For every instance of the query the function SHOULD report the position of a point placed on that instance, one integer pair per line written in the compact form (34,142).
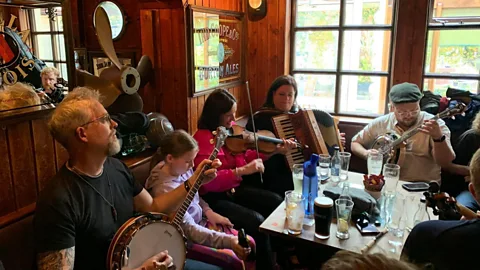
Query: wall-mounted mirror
(35,70)
(116,17)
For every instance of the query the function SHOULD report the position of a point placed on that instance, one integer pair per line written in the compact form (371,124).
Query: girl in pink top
(245,205)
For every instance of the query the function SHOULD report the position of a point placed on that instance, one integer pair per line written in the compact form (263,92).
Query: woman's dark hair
(277,83)
(218,102)
(175,143)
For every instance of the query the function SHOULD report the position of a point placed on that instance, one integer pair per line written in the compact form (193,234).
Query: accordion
(315,129)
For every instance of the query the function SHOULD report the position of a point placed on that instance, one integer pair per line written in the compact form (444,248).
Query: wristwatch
(441,138)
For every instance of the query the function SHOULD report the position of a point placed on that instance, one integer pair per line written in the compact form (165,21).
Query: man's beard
(113,147)
(409,123)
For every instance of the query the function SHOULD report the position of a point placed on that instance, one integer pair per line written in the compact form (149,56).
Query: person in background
(456,175)
(346,260)
(281,97)
(178,150)
(79,211)
(19,95)
(49,84)
(447,244)
(425,152)
(246,206)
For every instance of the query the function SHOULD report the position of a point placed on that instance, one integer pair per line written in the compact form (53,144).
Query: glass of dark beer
(323,212)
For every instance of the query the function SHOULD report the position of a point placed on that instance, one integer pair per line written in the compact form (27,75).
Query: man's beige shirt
(419,164)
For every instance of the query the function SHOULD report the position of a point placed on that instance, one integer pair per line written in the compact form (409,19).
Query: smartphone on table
(416,186)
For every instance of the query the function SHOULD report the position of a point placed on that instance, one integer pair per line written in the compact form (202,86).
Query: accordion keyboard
(287,131)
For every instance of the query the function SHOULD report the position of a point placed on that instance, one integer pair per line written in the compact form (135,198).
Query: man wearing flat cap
(425,152)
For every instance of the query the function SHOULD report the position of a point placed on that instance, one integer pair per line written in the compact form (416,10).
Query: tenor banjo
(390,145)
(148,234)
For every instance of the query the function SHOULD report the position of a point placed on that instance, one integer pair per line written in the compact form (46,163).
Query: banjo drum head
(152,239)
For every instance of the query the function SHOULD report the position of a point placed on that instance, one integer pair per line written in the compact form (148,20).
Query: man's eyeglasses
(408,113)
(103,119)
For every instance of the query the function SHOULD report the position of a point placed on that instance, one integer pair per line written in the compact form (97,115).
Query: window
(341,54)
(47,36)
(453,46)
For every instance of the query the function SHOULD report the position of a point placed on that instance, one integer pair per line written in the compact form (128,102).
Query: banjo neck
(177,220)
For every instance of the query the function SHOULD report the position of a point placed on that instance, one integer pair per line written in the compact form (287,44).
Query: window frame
(55,46)
(338,72)
(455,23)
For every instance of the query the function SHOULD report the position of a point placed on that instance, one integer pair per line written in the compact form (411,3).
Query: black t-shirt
(446,244)
(71,213)
(467,145)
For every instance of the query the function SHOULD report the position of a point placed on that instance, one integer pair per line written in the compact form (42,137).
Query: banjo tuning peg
(211,141)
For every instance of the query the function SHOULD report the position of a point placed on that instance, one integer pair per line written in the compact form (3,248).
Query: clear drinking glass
(374,163)
(344,165)
(411,203)
(396,219)
(324,164)
(391,173)
(287,193)
(297,173)
(323,170)
(295,212)
(344,209)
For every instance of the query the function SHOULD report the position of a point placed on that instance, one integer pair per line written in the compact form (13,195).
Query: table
(275,225)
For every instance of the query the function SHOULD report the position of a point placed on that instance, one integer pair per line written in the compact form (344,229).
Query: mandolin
(390,145)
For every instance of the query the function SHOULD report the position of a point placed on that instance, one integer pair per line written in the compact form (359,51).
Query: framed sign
(215,48)
(99,61)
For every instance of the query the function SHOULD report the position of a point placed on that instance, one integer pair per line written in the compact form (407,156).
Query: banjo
(148,234)
(391,145)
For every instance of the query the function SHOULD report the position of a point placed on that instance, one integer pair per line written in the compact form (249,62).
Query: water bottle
(345,192)
(310,184)
(420,214)
(335,165)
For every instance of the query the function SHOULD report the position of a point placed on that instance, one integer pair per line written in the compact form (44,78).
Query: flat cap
(405,93)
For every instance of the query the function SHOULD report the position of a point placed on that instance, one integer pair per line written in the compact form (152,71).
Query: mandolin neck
(407,135)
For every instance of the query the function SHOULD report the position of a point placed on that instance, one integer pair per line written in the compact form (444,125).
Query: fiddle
(240,139)
(444,206)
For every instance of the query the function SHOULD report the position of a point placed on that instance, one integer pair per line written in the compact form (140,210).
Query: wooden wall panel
(61,155)
(180,66)
(266,50)
(148,48)
(168,93)
(44,152)
(23,163)
(29,162)
(7,199)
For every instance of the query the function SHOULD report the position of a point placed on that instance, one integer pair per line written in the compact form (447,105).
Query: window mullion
(339,56)
(54,42)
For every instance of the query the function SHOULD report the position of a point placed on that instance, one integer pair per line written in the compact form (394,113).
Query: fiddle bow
(254,128)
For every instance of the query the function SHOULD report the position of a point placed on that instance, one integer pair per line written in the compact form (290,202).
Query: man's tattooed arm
(60,259)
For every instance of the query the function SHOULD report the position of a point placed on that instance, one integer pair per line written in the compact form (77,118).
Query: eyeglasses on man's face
(102,119)
(408,113)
